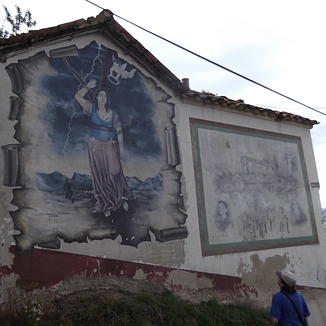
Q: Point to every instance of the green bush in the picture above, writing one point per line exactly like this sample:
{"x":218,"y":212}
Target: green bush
{"x":125,"y":309}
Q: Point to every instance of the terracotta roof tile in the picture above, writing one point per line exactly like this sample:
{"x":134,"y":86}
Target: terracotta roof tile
{"x":239,"y":106}
{"x":105,"y":23}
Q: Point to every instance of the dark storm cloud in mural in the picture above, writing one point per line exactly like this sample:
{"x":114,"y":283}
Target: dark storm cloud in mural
{"x":69,"y":128}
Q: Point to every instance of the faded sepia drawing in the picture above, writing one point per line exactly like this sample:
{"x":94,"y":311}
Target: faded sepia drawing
{"x":253,"y":188}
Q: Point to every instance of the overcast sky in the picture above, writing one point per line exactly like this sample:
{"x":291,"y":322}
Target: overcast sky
{"x":279,"y":43}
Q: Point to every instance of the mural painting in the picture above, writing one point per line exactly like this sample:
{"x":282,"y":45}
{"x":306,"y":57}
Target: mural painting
{"x":253,"y":191}
{"x":96,"y":152}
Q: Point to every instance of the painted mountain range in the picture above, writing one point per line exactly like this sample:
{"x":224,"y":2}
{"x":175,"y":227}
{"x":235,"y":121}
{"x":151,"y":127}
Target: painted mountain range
{"x":54,"y":182}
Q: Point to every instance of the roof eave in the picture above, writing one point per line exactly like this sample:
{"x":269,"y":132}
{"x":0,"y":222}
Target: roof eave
{"x":222,"y":102}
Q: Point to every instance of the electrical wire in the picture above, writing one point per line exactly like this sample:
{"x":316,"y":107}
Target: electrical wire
{"x":210,"y":61}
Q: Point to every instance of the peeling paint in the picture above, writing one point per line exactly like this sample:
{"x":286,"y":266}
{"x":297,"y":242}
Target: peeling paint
{"x":260,"y":274}
{"x":8,"y":289}
{"x":140,"y":275}
{"x":183,"y":279}
{"x":33,"y":272}
{"x":248,"y":292}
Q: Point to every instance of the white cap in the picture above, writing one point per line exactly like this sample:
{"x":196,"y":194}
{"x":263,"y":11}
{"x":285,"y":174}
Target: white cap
{"x":287,"y":277}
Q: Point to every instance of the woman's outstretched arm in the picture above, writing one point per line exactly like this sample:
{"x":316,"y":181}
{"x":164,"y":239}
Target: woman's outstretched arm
{"x":79,"y":97}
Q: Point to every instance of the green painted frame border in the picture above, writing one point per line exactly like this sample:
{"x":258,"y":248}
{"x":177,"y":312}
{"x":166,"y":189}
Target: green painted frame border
{"x":216,"y":249}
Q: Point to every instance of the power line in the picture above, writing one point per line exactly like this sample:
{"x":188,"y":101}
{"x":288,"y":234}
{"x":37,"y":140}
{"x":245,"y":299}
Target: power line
{"x":212,"y":62}
{"x":278,"y":108}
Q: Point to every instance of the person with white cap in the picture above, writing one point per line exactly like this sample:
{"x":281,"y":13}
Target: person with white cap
{"x":288,"y":305}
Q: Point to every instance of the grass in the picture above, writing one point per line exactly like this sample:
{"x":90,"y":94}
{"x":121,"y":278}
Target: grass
{"x":127,"y":309}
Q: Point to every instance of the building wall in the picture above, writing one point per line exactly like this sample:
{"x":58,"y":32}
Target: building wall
{"x":187,"y":166}
{"x":261,"y":124}
{"x":294,"y":254}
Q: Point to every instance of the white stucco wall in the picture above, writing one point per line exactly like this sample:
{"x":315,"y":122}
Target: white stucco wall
{"x":308,"y":262}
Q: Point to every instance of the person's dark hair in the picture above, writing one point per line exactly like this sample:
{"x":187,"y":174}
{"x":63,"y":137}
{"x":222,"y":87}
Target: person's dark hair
{"x":287,"y":288}
{"x":223,"y":202}
{"x":107,"y":104}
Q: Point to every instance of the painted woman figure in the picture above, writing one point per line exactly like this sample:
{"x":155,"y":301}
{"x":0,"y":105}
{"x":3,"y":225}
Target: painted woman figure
{"x":298,"y":216}
{"x":222,"y":220}
{"x":104,"y":150}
